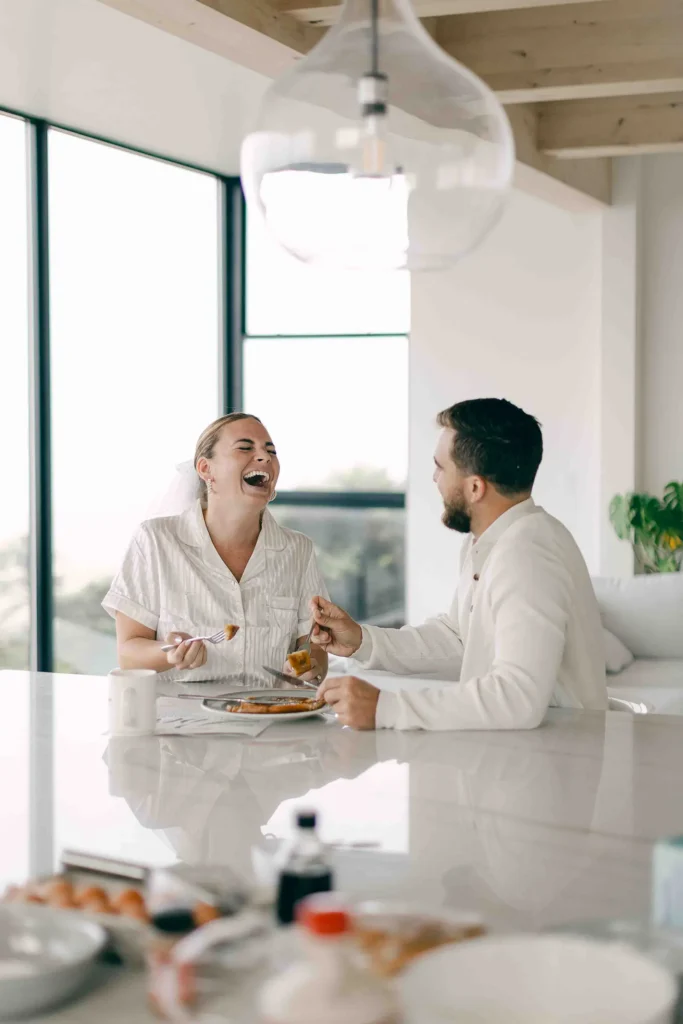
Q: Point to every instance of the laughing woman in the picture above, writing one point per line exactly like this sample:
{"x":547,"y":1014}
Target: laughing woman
{"x":223,"y":560}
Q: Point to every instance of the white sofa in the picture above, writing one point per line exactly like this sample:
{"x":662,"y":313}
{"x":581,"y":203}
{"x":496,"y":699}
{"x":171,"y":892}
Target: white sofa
{"x":644,"y":613}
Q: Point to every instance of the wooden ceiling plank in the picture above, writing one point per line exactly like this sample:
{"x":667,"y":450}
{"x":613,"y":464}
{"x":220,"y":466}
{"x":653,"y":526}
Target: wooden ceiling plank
{"x":253,"y":34}
{"x":326,"y":12}
{"x":618,"y":47}
{"x":611,"y":127}
{"x":248,"y":32}
{"x":573,"y":184}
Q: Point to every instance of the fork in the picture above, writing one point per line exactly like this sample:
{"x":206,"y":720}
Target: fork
{"x":217,"y":638}
{"x":306,"y":645}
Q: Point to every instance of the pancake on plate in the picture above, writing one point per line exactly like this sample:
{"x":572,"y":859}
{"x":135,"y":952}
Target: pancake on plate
{"x":285,"y":706}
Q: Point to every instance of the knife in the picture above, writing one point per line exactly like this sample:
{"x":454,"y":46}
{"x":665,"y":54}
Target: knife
{"x":290,"y":680}
{"x":230,"y":698}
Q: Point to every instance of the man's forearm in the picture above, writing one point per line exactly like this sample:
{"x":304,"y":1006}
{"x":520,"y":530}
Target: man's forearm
{"x":434,"y":648}
{"x":506,"y":699}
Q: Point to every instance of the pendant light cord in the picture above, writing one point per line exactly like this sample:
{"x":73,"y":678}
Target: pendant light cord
{"x":374,"y":36}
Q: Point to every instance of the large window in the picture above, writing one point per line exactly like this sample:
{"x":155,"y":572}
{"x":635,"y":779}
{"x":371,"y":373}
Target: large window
{"x":135,"y":354}
{"x":336,"y":407}
{"x":14,"y":407}
{"x":326,"y":368}
{"x":151,"y":314}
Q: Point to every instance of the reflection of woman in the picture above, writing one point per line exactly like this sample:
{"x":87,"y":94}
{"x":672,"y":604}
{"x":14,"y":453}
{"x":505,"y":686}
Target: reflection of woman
{"x":212,"y":799}
{"x":223,"y":560}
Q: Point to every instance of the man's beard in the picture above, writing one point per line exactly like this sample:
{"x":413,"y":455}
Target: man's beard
{"x":456,"y":515}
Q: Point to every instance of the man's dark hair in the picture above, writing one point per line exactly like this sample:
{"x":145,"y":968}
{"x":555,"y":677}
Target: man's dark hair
{"x":496,"y":440}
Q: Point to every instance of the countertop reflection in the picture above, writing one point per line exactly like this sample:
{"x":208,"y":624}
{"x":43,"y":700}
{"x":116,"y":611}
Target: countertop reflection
{"x":530,"y":828}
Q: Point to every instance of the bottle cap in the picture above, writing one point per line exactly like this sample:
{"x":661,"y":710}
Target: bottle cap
{"x":174,"y":921}
{"x":306,"y":819}
{"x":320,"y":921}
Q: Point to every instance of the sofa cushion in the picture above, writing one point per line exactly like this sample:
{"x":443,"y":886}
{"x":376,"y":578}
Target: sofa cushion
{"x":651,"y":673}
{"x":644,"y":612}
{"x":617,"y":655}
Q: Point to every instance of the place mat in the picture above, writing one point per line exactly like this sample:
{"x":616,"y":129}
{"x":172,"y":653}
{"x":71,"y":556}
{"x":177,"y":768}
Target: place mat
{"x":206,"y":725}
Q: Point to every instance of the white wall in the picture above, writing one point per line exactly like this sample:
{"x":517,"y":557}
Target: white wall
{"x":661,"y":398}
{"x":85,"y":65}
{"x":620,"y":358}
{"x":580,"y":320}
{"x":519,"y":319}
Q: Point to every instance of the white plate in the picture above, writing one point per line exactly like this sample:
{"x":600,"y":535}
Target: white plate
{"x":524,"y":979}
{"x":296,"y":694}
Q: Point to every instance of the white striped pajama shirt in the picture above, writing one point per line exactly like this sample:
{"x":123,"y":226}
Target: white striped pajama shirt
{"x":172,"y":578}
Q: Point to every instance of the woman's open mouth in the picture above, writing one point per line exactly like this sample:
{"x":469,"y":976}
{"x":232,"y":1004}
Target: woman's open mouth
{"x":257,"y":479}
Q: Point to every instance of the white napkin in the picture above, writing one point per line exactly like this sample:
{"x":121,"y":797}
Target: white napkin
{"x":205,"y":725}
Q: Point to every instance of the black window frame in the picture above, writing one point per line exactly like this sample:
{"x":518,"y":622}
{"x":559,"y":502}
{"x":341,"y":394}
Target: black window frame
{"x":231,"y":242}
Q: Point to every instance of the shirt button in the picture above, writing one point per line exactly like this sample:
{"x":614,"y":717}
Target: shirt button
{"x":476,"y":577}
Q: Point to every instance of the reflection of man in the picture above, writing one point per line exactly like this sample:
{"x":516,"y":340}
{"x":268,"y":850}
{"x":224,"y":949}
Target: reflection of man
{"x":484,"y":816}
{"x":524,"y":630}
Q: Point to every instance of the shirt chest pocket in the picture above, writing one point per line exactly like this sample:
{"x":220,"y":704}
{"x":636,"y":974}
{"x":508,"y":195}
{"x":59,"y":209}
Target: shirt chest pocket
{"x":283,"y":615}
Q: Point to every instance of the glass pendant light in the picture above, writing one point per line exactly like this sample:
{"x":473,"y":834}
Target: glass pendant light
{"x":378,"y":150}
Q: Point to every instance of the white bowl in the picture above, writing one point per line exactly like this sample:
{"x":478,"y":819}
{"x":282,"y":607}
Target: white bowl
{"x":537,"y":980}
{"x":45,"y":956}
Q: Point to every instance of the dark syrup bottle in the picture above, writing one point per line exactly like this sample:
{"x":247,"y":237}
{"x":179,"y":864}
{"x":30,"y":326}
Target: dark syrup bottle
{"x":304,"y":869}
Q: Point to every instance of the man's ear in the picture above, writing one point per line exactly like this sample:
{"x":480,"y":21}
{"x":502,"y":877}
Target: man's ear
{"x":476,"y":489}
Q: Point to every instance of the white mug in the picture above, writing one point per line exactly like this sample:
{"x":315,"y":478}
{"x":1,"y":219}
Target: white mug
{"x":132,"y":701}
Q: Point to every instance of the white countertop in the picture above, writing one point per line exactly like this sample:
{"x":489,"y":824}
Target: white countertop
{"x":532,"y":829}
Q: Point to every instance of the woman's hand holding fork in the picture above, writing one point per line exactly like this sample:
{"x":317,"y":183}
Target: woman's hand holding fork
{"x":183,"y":655}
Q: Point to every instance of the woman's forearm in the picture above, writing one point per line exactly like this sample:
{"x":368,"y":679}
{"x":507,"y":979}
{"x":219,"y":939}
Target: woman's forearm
{"x":138,"y":652}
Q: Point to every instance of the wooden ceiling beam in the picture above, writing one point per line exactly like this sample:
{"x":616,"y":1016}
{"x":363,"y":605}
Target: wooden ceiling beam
{"x":573,"y":184}
{"x":611,"y":127}
{"x":575,"y":51}
{"x":252,"y":33}
{"x":249,"y":32}
{"x":326,"y":12}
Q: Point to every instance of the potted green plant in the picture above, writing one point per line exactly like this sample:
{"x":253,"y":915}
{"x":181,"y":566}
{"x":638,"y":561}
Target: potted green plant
{"x":654,"y":527}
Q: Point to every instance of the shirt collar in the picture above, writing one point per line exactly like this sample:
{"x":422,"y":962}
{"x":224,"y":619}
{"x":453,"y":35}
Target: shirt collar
{"x":481,"y":548}
{"x":192,"y":530}
{"x":191,"y":526}
{"x":274,"y":537}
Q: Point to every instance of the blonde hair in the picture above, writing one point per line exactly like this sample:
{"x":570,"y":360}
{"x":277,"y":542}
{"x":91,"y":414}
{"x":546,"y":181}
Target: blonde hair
{"x":206,"y":444}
